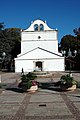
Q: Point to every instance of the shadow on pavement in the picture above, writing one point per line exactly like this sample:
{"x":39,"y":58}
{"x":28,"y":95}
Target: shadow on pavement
{"x":49,"y":86}
{"x":42,"y":85}
{"x":15,"y":89}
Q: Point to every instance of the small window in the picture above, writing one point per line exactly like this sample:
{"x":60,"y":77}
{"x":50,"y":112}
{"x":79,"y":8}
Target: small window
{"x":36,"y":27}
{"x":41,"y":27}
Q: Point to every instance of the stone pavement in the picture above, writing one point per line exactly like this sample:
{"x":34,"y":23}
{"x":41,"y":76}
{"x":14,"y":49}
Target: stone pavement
{"x":45,"y":104}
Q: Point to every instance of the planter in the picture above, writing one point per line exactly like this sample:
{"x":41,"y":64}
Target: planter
{"x":69,"y":88}
{"x":67,"y":83}
{"x":32,"y":88}
{"x":28,"y":83}
{"x":72,"y":88}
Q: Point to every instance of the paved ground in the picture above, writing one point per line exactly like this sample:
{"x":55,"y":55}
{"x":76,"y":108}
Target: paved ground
{"x":45,"y":104}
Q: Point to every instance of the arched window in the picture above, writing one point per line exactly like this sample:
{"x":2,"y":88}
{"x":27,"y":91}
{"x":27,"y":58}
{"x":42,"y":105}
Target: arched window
{"x":41,"y":27}
{"x":36,"y":27}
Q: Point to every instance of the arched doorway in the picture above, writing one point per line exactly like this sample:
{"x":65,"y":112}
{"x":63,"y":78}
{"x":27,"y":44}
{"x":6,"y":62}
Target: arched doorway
{"x":39,"y":65}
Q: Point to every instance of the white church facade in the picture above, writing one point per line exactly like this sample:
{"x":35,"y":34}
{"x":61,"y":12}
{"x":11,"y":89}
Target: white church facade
{"x":39,"y":49}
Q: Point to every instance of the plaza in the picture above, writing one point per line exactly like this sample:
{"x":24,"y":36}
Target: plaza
{"x":44,"y":104}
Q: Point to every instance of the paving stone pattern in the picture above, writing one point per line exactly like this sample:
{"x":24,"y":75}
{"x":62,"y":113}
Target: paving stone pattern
{"x":42,"y":105}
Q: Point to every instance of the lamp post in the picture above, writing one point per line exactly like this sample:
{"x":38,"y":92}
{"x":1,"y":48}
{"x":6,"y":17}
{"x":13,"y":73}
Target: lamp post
{"x":3,"y":54}
{"x":70,"y":56}
{"x":3,"y":58}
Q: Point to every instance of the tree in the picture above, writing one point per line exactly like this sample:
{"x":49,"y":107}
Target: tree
{"x":10,"y":43}
{"x":76,"y":31}
{"x":14,"y":40}
{"x":67,"y":42}
{"x":1,"y":25}
{"x":72,"y":42}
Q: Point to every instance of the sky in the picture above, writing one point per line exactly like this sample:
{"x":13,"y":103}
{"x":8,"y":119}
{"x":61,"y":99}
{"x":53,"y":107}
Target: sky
{"x":61,"y":14}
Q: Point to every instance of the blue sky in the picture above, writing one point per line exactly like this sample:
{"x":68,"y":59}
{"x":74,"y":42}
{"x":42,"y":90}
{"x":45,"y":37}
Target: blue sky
{"x":61,"y":14}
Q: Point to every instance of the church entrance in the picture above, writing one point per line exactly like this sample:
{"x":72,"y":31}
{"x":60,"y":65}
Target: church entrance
{"x":39,"y":65}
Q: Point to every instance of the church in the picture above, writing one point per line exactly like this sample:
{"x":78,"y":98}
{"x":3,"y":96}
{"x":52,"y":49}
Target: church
{"x":39,"y":49}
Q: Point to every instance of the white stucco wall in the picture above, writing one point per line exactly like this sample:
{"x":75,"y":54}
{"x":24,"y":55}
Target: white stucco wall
{"x":44,"y":49}
{"x":31,"y":28}
{"x":45,"y":35}
{"x":48,"y":65}
{"x":54,"y":65}
{"x":26,"y":65}
{"x":48,"y":45}
{"x":47,"y":41}
{"x":39,"y":53}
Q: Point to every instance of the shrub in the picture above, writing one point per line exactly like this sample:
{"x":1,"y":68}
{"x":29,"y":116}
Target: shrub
{"x":27,"y":81}
{"x":66,"y":81}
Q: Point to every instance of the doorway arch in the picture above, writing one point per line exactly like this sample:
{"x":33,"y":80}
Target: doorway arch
{"x":39,"y":65}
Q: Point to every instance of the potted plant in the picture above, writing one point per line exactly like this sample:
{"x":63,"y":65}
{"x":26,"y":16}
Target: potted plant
{"x":67,"y":83}
{"x":28,"y":82}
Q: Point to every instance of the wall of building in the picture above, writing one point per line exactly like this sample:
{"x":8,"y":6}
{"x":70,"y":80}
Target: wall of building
{"x":33,"y":48}
{"x":48,"y":40}
{"x":48,"y":45}
{"x":48,"y":65}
